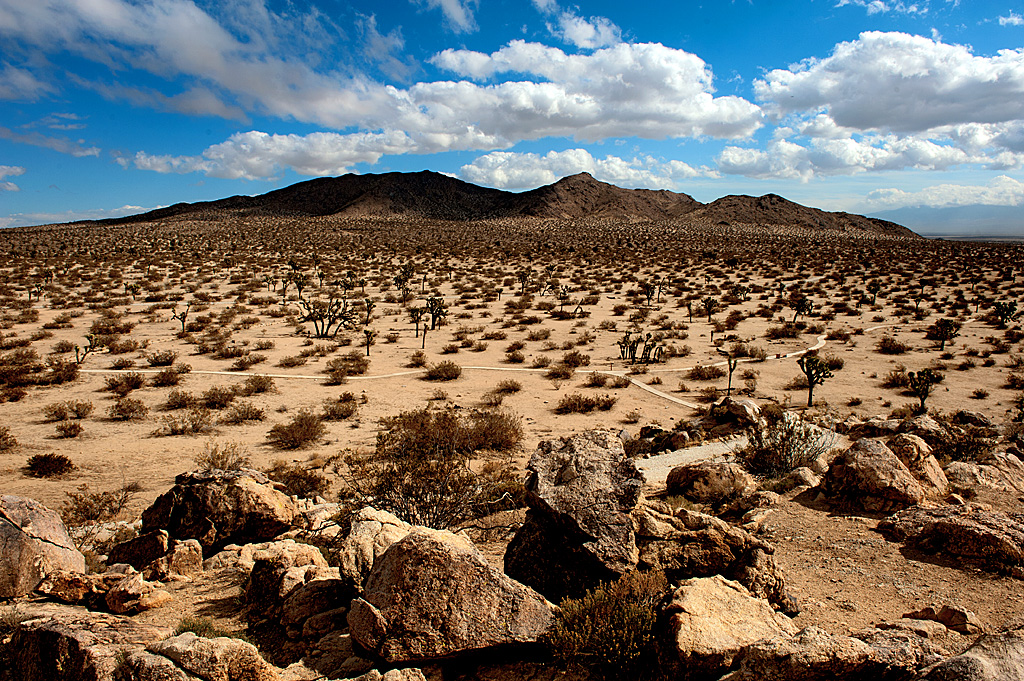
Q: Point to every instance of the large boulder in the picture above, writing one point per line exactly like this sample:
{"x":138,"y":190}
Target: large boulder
{"x":142,"y":550}
{"x":736,"y":410}
{"x":1002,"y":471}
{"x":65,"y":643}
{"x":243,"y":558}
{"x":710,"y":620}
{"x":710,"y":482}
{"x":925,"y":427}
{"x":917,"y":456}
{"x":432,"y":594}
{"x":215,"y":659}
{"x":992,"y":539}
{"x":993,"y":657}
{"x":811,"y":655}
{"x":371,"y":533}
{"x":686,"y":544}
{"x":221,"y":507}
{"x":33,"y":543}
{"x":869,"y":477}
{"x":75,"y":588}
{"x":132,"y":594}
{"x":578,"y":531}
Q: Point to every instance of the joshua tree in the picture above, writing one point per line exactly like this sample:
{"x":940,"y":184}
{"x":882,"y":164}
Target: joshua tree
{"x":91,"y":347}
{"x":816,"y":371}
{"x":327,"y":316}
{"x":370,"y":335}
{"x":648,"y":288}
{"x":922,"y":383}
{"x":416,"y":314}
{"x":181,"y":316}
{"x":524,"y":278}
{"x":563,"y":296}
{"x":1005,"y":312}
{"x":437,"y":309}
{"x":801,"y":306}
{"x":711,"y":306}
{"x":943,"y":331}
{"x":300,"y":279}
{"x":132,"y":289}
{"x":369,"y":304}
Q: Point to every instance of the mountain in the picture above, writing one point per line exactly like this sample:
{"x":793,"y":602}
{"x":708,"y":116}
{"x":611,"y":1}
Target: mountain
{"x":973,"y":221}
{"x":433,"y":196}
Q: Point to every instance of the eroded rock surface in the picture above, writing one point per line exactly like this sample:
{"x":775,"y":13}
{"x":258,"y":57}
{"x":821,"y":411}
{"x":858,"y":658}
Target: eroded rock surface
{"x":869,"y":477}
{"x":33,"y":543}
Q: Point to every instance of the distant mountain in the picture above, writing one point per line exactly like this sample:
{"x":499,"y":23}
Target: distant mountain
{"x":962,"y":221}
{"x":429,"y":195}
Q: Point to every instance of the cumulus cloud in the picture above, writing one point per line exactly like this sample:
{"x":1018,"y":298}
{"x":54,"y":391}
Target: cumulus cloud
{"x":59,"y":144}
{"x":510,"y":170}
{"x":10,"y":171}
{"x":1013,"y":19}
{"x":457,"y":13}
{"x":901,"y":83}
{"x":1000,"y":191}
{"x":589,"y":33}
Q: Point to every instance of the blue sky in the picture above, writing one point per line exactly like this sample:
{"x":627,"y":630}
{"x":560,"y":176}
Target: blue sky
{"x":111,"y":107}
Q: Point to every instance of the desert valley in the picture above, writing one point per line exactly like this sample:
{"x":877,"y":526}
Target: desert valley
{"x":400,"y":426}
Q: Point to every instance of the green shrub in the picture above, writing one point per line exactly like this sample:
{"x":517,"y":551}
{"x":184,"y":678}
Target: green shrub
{"x":49,"y":465}
{"x":611,"y":631}
{"x":304,"y":429}
{"x":786,"y":442}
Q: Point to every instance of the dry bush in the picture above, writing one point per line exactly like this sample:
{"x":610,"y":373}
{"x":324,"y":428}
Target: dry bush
{"x":217,"y":397}
{"x":620,"y":382}
{"x":84,"y":511}
{"x":443,"y":371}
{"x":49,"y":465}
{"x":164,"y":358}
{"x":227,"y":456}
{"x":508,"y":386}
{"x":340,"y":409}
{"x":787,"y":442}
{"x":127,"y":409}
{"x":179,"y":399}
{"x":575,"y":403}
{"x":298,"y":480}
{"x":123,"y":384}
{"x":707,"y":372}
{"x":304,"y":429}
{"x":69,"y":429}
{"x":196,"y":420}
{"x":596,"y":380}
{"x":575,"y":359}
{"x":888,"y":345}
{"x":896,"y":378}
{"x":242,"y":412}
{"x":417,"y":360}
{"x":559,"y":372}
{"x":165,"y":378}
{"x":7,"y":441}
{"x":291,"y":362}
{"x":257,"y":384}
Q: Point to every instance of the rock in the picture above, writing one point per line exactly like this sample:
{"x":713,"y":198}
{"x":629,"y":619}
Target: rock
{"x":990,"y":538}
{"x":432,"y":595}
{"x":742,"y":411}
{"x":334,"y":657}
{"x":372,"y":533}
{"x":578,"y":531}
{"x":1000,"y":471}
{"x":802,"y":477}
{"x":393,"y":675}
{"x":215,"y":659}
{"x":916,"y":455}
{"x":142,"y":550}
{"x":811,"y":655}
{"x":132,"y":595}
{"x":33,"y":543}
{"x":76,"y":588}
{"x":869,"y":477}
{"x":953,"y":618}
{"x":711,"y":619}
{"x":221,"y":507}
{"x":875,"y":426}
{"x":65,"y":643}
{"x":902,"y":648}
{"x":184,"y":560}
{"x":925,"y":427}
{"x":709,"y":482}
{"x":290,"y":552}
{"x":686,"y":544}
{"x":965,"y":417}
{"x":318,"y":519}
{"x":993,"y":657}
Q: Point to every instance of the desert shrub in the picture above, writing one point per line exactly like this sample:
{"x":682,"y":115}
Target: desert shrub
{"x":596,"y":380}
{"x":784,"y":443}
{"x":708,"y":372}
{"x":841,"y":335}
{"x":576,"y":403}
{"x":417,"y":359}
{"x":890,"y":346}
{"x":57,"y":411}
{"x":69,"y":429}
{"x":228,"y":456}
{"x":298,"y":480}
{"x":340,"y":409}
{"x":786,"y":330}
{"x":195,"y":420}
{"x":256,"y":384}
{"x":205,"y":628}
{"x":165,"y":378}
{"x":1015,"y":381}
{"x":127,"y":409}
{"x":620,"y":382}
{"x":352,"y":363}
{"x":541,"y":362}
{"x":508,"y":386}
{"x":559,"y":372}
{"x":242,"y":412}
{"x":49,"y":465}
{"x":304,"y":429}
{"x":967,"y":444}
{"x":449,"y":349}
{"x":575,"y":359}
{"x":515,"y":357}
{"x":84,"y":510}
{"x":443,"y":371}
{"x":63,"y":346}
{"x":611,"y":631}
{"x":7,"y":441}
{"x":833,"y":362}
{"x":896,"y":378}
{"x":421,"y":470}
{"x":291,"y":362}
{"x":122,"y":384}
{"x":217,"y":397}
{"x":79,"y":409}
{"x":122,"y":363}
{"x":164,"y":358}
{"x":179,"y":399}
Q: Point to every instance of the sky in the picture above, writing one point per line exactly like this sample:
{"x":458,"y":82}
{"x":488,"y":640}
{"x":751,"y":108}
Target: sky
{"x":897,"y":108}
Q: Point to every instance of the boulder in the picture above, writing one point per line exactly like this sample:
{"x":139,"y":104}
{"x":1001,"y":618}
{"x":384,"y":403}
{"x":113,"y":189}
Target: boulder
{"x":686,"y":544}
{"x":183,"y":560}
{"x":869,"y":477}
{"x":132,"y":594}
{"x":65,"y":643}
{"x":142,"y":550}
{"x":578,"y":531}
{"x":917,"y":456}
{"x":738,"y":410}
{"x":33,"y":543}
{"x":215,"y":659}
{"x":953,"y":618}
{"x":76,"y":588}
{"x":371,"y":534}
{"x":876,"y":426}
{"x":811,"y":655}
{"x":242,"y":558}
{"x":925,"y":427}
{"x":993,"y":657}
{"x":992,"y":539}
{"x":221,"y":507}
{"x":334,"y":657}
{"x":1001,"y":471}
{"x":711,"y":619}
{"x":432,"y":595}
{"x":709,"y":482}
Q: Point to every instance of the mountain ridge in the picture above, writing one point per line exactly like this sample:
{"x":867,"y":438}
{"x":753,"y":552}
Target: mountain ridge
{"x":435,"y":196}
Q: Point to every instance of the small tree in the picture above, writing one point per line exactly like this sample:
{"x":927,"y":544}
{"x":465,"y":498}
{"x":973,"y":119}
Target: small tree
{"x":801,"y":306}
{"x":1005,"y":312}
{"x":416,"y":314}
{"x":371,"y":336}
{"x":943,"y":331}
{"x":816,"y":371}
{"x":181,"y":316}
{"x":711,"y":306}
{"x":922,"y":383}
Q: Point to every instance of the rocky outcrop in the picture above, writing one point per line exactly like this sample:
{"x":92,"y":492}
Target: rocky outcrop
{"x":989,"y":538}
{"x":1000,"y":471}
{"x":433,"y":595}
{"x":184,"y":560}
{"x":214,"y":659}
{"x":917,"y":456}
{"x":686,"y":544}
{"x":869,"y":477}
{"x":221,"y":507}
{"x":953,"y":618}
{"x":371,"y":534}
{"x":142,"y":550}
{"x":710,"y":620}
{"x":132,"y":594}
{"x":811,"y":655}
{"x":994,"y":657}
{"x":741,"y":411}
{"x":33,"y":543}
{"x":709,"y":482}
{"x":243,"y":558}
{"x":578,"y":531}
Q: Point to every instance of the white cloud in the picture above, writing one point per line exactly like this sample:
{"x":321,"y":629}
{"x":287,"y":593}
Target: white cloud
{"x":10,"y":171}
{"x":1001,"y":191}
{"x":59,"y":144}
{"x":510,"y":170}
{"x":1013,"y":19}
{"x":901,"y":83}
{"x":457,"y":13}
{"x":18,"y":83}
{"x":881,"y":7}
{"x":589,"y":34}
